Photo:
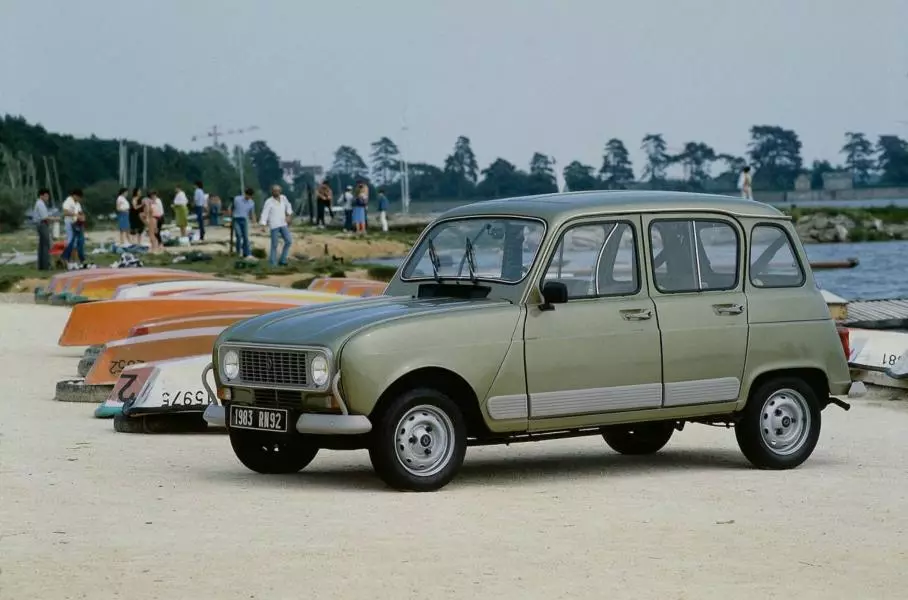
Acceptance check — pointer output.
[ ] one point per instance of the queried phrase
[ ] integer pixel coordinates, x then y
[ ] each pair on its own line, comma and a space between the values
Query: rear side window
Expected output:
773, 260
694, 255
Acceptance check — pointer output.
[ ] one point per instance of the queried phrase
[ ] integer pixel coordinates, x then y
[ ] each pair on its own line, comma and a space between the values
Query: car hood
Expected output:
330, 324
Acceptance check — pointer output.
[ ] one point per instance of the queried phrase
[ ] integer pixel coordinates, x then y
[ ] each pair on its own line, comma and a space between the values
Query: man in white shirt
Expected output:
200, 203
276, 215
75, 228
71, 208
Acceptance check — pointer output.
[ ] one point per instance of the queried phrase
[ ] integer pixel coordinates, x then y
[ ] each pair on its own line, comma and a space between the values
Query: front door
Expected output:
599, 352
696, 267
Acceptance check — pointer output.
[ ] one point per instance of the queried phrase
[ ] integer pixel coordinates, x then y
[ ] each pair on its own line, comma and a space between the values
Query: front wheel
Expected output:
639, 438
419, 441
271, 454
780, 425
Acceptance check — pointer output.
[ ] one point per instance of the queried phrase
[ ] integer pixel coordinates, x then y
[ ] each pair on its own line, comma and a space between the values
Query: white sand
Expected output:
89, 513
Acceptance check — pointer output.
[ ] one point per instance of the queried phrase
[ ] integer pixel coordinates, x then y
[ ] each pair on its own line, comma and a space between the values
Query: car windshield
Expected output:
494, 248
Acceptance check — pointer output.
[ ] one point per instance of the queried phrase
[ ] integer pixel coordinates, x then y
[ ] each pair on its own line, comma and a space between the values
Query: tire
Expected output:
271, 454
639, 438
780, 425
85, 365
419, 423
188, 423
124, 424
75, 390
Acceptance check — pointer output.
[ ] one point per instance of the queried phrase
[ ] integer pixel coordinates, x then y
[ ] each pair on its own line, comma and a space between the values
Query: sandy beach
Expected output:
89, 513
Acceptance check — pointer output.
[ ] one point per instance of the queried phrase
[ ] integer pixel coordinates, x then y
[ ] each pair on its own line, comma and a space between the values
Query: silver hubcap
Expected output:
425, 440
785, 422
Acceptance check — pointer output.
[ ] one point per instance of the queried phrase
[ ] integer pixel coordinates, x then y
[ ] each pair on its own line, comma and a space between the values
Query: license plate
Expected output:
259, 419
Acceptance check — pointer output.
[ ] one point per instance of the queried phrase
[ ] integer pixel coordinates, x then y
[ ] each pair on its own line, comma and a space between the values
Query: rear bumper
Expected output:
310, 423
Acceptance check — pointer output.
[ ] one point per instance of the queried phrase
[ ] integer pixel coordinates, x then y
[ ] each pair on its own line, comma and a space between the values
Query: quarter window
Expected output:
694, 255
596, 260
773, 260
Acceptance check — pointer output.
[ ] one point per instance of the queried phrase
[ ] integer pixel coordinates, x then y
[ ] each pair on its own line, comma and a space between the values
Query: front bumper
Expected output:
309, 423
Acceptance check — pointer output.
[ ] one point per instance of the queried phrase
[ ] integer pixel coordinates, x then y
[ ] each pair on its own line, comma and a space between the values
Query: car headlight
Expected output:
231, 364
319, 370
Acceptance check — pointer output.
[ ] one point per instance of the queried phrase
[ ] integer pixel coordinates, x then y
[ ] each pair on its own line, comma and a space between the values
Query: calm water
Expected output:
882, 272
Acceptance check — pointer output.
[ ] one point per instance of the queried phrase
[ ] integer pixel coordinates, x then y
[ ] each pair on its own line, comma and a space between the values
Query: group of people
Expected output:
355, 204
138, 214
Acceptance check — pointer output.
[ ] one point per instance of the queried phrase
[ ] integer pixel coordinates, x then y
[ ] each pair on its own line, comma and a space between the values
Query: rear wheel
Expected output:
272, 454
780, 426
639, 438
419, 441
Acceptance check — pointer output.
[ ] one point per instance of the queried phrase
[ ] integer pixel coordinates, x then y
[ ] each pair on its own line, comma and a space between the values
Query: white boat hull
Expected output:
162, 387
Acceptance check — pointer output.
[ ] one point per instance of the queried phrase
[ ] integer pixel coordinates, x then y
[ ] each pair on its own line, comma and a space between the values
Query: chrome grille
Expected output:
289, 399
273, 367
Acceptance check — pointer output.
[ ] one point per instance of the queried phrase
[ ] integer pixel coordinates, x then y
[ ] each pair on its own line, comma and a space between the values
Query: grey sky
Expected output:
516, 76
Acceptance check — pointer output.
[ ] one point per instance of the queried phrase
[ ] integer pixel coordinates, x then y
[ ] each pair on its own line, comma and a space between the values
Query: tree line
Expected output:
773, 151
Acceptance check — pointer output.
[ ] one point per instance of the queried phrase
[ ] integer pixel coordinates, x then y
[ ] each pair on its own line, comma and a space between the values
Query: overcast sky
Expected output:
516, 76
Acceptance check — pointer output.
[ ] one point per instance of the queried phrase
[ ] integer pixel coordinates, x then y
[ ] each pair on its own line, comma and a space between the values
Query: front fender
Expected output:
471, 344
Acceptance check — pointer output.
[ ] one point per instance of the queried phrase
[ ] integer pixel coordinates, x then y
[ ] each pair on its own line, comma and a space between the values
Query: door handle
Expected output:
636, 314
728, 309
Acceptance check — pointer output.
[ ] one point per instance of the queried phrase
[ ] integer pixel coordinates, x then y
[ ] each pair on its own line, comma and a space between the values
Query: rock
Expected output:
841, 233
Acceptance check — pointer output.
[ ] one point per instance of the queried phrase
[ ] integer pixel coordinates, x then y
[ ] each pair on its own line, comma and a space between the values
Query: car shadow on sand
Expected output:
502, 470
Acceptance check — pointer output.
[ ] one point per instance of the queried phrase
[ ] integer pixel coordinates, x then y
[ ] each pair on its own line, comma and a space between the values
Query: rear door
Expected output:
696, 283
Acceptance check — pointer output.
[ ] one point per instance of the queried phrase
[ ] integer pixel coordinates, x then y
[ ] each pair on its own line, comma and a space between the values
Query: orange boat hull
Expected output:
332, 284
194, 322
104, 286
119, 354
59, 281
100, 322
363, 289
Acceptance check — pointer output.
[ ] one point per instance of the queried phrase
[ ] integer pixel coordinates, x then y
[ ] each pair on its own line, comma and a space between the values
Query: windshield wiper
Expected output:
471, 261
436, 262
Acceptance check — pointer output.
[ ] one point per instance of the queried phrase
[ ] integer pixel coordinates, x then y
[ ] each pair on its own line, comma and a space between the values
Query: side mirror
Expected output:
553, 292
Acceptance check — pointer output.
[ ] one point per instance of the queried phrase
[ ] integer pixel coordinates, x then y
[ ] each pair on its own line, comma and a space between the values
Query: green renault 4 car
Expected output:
620, 314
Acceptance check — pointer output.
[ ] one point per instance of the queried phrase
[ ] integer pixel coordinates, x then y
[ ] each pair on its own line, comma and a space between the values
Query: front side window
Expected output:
694, 255
773, 260
501, 248
596, 260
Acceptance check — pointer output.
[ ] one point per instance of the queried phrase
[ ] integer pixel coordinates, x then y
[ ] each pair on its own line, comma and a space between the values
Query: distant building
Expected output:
802, 183
291, 169
837, 180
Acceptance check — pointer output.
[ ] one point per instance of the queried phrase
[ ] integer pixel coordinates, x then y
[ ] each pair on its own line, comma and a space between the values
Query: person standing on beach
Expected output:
383, 210
276, 215
243, 213
181, 210
42, 221
361, 201
150, 222
745, 183
200, 202
77, 226
69, 213
214, 210
157, 214
324, 197
122, 207
136, 226
347, 202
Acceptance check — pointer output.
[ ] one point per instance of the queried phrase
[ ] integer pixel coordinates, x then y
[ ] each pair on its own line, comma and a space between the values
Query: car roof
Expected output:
554, 207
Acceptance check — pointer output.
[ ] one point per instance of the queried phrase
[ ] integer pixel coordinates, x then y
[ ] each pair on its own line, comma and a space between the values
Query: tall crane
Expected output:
215, 133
